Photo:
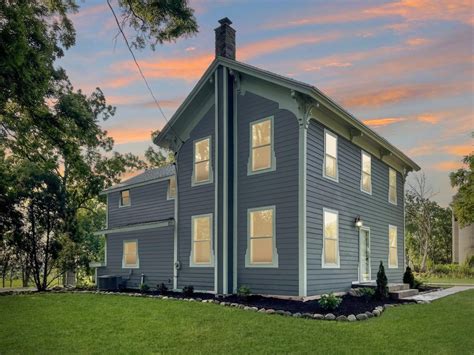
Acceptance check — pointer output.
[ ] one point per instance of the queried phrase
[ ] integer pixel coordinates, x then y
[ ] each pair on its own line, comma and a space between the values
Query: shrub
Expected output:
470, 262
382, 289
144, 287
162, 288
367, 293
188, 290
409, 278
329, 302
243, 292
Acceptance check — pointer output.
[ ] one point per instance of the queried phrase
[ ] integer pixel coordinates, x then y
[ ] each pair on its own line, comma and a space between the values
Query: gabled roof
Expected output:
148, 176
166, 134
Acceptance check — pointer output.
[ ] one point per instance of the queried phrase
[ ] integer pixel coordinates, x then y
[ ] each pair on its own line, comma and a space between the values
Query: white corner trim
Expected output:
137, 265
302, 237
336, 179
272, 138
362, 154
216, 185
211, 174
225, 203
175, 233
338, 263
274, 263
234, 237
191, 256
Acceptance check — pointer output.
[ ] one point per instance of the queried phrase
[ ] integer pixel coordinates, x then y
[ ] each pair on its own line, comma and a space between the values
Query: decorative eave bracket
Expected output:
305, 106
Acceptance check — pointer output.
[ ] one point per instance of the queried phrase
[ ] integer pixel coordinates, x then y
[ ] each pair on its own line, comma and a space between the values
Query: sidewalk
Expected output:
431, 296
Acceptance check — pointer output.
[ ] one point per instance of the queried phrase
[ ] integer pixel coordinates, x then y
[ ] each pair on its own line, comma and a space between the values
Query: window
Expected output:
392, 251
201, 252
261, 238
130, 254
172, 188
202, 161
366, 178
330, 156
330, 239
124, 198
261, 149
392, 186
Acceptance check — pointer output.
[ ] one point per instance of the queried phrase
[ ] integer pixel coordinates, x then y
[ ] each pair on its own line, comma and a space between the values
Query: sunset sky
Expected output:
405, 68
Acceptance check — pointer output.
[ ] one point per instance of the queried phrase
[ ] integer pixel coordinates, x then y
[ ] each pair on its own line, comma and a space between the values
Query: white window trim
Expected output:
338, 263
248, 262
273, 157
168, 197
396, 192
191, 256
390, 226
362, 172
210, 180
129, 198
137, 266
336, 179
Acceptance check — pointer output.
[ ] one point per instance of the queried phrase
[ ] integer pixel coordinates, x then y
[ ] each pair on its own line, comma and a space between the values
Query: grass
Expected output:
449, 280
88, 323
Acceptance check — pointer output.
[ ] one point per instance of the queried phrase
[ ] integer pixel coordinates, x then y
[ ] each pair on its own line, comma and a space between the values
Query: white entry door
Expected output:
364, 255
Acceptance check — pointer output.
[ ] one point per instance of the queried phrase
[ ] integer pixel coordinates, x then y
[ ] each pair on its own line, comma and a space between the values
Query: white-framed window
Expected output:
330, 169
130, 258
392, 247
202, 169
330, 257
262, 154
125, 198
392, 186
201, 247
171, 188
261, 237
366, 173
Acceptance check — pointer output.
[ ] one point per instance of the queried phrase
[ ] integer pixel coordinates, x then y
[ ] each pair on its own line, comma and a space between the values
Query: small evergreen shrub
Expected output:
162, 288
188, 290
367, 293
409, 278
470, 262
144, 288
381, 291
243, 292
329, 302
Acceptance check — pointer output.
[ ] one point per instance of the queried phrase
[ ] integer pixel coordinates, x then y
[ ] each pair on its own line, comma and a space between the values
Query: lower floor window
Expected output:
330, 239
261, 237
130, 254
392, 252
201, 249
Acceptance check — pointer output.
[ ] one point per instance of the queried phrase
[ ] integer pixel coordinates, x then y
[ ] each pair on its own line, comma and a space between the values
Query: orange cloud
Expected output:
380, 122
428, 118
142, 100
417, 41
446, 166
129, 135
461, 150
434, 147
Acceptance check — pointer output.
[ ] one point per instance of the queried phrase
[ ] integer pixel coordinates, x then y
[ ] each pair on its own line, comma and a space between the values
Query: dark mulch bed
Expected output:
349, 304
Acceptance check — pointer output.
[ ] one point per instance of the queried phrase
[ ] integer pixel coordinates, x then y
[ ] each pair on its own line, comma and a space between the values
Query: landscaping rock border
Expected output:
376, 312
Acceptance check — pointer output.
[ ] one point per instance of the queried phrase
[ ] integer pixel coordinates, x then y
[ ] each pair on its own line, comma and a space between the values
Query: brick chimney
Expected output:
225, 39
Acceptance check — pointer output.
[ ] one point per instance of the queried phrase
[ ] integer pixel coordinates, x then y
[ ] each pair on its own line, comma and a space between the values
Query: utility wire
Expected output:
140, 70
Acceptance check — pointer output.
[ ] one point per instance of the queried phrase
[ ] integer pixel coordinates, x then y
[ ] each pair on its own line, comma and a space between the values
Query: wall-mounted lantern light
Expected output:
358, 222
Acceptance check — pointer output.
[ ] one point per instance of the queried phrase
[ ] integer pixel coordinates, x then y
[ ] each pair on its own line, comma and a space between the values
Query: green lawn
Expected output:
87, 323
449, 280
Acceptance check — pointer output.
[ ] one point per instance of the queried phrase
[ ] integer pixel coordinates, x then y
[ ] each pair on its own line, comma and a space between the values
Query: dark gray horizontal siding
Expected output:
148, 203
155, 252
194, 200
346, 197
278, 188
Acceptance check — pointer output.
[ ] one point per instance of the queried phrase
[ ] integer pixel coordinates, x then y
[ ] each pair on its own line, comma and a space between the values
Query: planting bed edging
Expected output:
376, 312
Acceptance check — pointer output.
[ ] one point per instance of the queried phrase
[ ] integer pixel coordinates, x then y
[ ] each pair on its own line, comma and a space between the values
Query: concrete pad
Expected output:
431, 296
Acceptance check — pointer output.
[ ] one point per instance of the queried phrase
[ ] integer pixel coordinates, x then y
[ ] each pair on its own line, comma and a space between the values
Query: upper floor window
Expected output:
125, 198
202, 161
262, 157
261, 249
392, 186
330, 239
201, 248
130, 254
366, 178
172, 188
330, 156
392, 245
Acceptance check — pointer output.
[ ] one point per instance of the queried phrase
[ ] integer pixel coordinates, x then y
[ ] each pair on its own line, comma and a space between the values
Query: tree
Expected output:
156, 158
381, 290
463, 201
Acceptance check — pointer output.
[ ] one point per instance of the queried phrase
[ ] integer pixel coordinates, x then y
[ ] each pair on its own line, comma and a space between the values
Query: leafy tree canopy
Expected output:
463, 201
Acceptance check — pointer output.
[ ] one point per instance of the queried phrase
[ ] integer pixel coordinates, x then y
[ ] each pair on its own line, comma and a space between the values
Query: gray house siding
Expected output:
148, 203
194, 200
278, 188
346, 197
155, 253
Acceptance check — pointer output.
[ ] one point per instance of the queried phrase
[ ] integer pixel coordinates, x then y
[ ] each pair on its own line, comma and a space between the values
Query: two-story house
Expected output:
275, 187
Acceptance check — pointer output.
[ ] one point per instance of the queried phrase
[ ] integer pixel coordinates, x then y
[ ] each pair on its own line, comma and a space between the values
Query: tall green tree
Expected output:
463, 201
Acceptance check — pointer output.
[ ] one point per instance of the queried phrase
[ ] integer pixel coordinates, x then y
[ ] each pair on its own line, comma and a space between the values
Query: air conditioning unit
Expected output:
109, 282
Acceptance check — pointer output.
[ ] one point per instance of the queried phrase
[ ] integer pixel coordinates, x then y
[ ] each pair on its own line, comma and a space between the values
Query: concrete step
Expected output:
400, 294
397, 287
